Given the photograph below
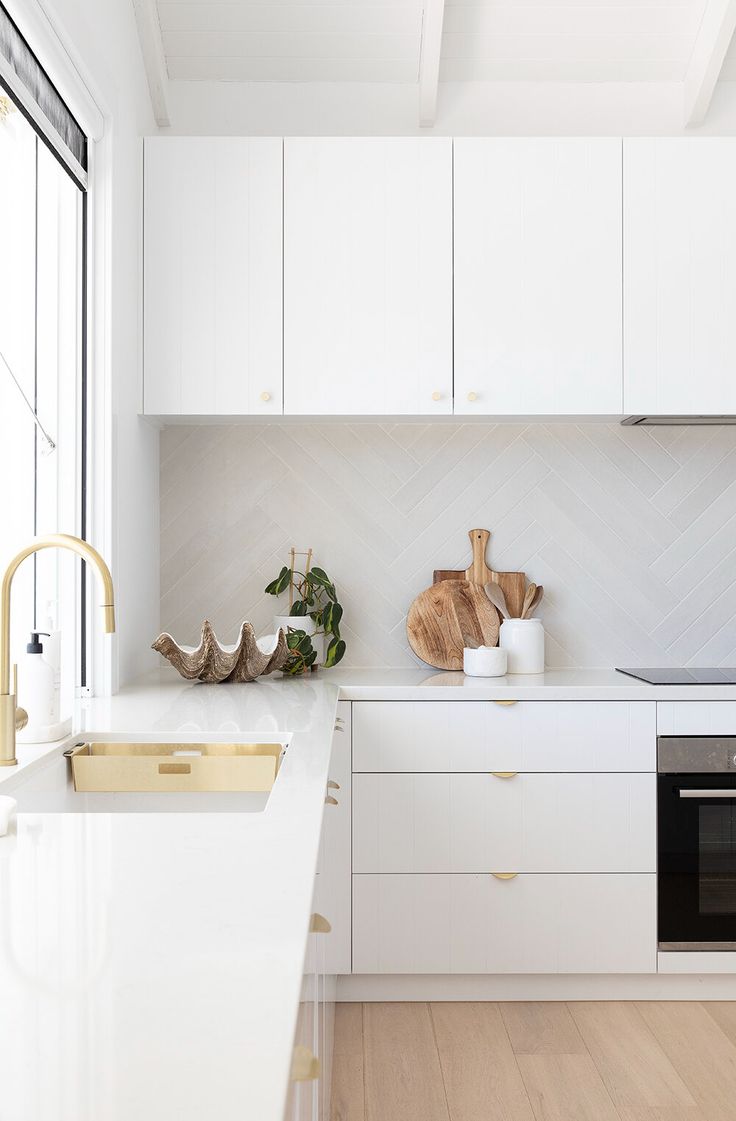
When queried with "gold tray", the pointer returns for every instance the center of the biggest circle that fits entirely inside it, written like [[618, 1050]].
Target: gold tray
[[175, 767]]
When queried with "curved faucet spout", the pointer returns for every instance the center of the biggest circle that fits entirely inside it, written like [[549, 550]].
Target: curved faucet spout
[[52, 541]]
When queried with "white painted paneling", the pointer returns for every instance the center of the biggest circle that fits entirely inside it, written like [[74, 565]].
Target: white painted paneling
[[302, 41], [696, 718], [679, 275], [587, 40], [544, 736], [478, 924], [367, 276], [537, 276], [481, 823], [212, 283], [333, 887]]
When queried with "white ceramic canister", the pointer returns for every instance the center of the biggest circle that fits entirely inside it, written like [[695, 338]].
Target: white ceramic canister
[[484, 661], [523, 641]]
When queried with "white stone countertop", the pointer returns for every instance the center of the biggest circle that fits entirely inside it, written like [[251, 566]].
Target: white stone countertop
[[151, 963]]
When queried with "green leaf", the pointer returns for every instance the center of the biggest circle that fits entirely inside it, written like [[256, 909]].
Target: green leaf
[[317, 617], [280, 584], [335, 652], [299, 607]]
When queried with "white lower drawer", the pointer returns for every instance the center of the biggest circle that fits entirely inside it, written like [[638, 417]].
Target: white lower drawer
[[485, 823], [479, 924]]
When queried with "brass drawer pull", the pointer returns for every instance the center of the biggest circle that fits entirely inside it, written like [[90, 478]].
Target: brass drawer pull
[[505, 875], [338, 728], [332, 785], [504, 774], [505, 703], [304, 1065], [175, 768], [319, 924], [330, 801]]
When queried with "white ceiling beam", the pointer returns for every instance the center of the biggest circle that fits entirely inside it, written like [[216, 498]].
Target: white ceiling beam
[[714, 36], [154, 60], [429, 60]]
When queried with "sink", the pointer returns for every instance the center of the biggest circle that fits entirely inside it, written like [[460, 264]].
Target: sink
[[108, 774]]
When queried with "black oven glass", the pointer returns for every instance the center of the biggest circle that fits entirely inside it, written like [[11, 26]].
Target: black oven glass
[[697, 858]]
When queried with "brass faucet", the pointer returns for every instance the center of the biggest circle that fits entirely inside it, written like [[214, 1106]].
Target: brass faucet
[[12, 718]]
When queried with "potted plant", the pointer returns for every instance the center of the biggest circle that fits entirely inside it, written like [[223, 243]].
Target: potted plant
[[312, 597]]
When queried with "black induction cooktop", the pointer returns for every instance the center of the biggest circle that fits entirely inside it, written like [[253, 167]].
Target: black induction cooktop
[[692, 676]]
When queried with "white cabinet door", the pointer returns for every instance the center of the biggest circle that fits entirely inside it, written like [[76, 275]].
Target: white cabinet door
[[530, 924], [489, 823], [367, 276], [538, 276], [333, 882], [212, 276], [484, 736], [679, 275]]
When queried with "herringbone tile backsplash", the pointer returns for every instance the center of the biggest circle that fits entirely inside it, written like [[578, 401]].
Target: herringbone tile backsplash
[[631, 531]]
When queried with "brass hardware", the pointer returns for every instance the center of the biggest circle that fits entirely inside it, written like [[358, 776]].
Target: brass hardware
[[338, 728], [330, 801], [472, 396], [319, 924], [505, 703], [8, 716], [340, 719], [332, 785], [304, 1065], [175, 767], [505, 875], [436, 396], [265, 397], [504, 774]]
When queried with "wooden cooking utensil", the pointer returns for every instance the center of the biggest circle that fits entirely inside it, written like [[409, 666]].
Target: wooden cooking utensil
[[528, 597], [536, 599], [445, 618], [495, 594], [512, 584]]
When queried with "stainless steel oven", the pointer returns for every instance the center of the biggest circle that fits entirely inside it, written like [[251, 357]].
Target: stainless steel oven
[[696, 802]]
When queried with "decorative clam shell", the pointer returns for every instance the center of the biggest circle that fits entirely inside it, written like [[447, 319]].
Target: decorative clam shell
[[214, 663]]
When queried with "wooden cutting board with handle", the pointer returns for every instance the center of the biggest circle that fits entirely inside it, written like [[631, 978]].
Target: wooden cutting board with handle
[[445, 618], [513, 584]]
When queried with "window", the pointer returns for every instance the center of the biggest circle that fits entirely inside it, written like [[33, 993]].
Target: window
[[42, 348]]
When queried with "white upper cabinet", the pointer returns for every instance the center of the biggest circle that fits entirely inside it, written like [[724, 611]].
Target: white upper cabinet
[[680, 276], [368, 276], [538, 276], [212, 276]]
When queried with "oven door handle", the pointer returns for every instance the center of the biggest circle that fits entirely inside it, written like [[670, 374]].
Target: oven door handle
[[729, 792]]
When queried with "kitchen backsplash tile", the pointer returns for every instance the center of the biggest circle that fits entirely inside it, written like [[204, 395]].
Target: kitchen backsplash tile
[[631, 531]]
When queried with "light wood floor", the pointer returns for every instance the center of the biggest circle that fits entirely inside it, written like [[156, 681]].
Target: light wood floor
[[594, 1061]]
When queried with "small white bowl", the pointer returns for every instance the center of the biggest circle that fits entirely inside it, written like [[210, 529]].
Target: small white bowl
[[485, 661]]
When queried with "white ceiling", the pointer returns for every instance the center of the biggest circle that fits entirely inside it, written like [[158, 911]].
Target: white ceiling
[[380, 40]]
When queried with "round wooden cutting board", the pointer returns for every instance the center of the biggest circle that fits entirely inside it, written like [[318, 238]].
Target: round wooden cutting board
[[447, 617]]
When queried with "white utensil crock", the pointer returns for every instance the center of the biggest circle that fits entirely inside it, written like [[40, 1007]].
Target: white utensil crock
[[523, 640], [485, 661]]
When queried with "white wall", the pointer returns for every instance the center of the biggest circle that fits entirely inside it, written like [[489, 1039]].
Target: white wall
[[631, 530], [101, 37], [464, 109]]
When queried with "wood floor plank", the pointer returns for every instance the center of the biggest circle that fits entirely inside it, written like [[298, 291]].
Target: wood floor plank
[[565, 1088], [403, 1077], [347, 1101], [724, 1014], [702, 1054], [481, 1075], [542, 1028], [634, 1068]]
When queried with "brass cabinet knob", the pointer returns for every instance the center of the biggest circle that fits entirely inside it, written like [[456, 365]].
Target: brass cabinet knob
[[436, 396], [21, 719], [304, 1065], [319, 924], [332, 785], [505, 703], [505, 875], [504, 774], [265, 396], [472, 396], [338, 728]]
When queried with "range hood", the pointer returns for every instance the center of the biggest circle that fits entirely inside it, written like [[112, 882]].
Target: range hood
[[633, 421]]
